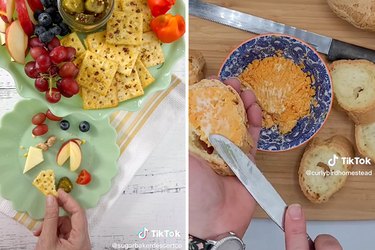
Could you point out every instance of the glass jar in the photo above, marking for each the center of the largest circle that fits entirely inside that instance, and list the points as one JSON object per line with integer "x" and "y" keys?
{"x": 76, "y": 25}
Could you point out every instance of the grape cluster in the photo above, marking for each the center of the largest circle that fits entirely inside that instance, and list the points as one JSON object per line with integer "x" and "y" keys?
{"x": 53, "y": 66}
{"x": 50, "y": 22}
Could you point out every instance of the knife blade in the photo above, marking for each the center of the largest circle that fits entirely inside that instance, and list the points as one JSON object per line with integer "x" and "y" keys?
{"x": 333, "y": 48}
{"x": 253, "y": 180}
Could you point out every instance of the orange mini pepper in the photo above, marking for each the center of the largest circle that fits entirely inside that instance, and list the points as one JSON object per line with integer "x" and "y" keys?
{"x": 168, "y": 28}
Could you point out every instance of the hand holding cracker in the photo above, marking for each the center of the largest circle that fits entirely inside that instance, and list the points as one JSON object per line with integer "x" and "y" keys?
{"x": 68, "y": 232}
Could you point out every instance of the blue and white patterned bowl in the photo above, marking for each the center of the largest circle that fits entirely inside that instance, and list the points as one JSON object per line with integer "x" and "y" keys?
{"x": 266, "y": 46}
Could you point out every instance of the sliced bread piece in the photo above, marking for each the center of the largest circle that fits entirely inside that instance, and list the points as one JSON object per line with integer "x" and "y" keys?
{"x": 215, "y": 108}
{"x": 354, "y": 88}
{"x": 365, "y": 140}
{"x": 196, "y": 66}
{"x": 318, "y": 156}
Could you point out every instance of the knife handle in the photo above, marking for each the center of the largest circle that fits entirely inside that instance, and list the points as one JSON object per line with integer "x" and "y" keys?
{"x": 343, "y": 50}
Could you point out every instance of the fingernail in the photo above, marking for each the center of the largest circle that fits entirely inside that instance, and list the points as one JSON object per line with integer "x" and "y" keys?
{"x": 295, "y": 211}
{"x": 50, "y": 200}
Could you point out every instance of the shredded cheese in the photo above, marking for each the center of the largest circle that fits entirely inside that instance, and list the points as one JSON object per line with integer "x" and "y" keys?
{"x": 283, "y": 91}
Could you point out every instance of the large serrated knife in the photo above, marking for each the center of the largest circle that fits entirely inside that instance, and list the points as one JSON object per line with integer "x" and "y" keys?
{"x": 253, "y": 180}
{"x": 333, "y": 48}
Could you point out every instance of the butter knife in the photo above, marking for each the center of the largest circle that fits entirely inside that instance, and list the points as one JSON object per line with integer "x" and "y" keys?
{"x": 253, "y": 180}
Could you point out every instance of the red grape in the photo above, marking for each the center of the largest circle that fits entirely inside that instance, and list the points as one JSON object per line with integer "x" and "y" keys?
{"x": 38, "y": 118}
{"x": 58, "y": 54}
{"x": 41, "y": 84}
{"x": 53, "y": 70}
{"x": 68, "y": 70}
{"x": 31, "y": 70}
{"x": 53, "y": 95}
{"x": 52, "y": 117}
{"x": 43, "y": 63}
{"x": 40, "y": 130}
{"x": 55, "y": 42}
{"x": 35, "y": 42}
{"x": 69, "y": 86}
{"x": 71, "y": 53}
{"x": 38, "y": 51}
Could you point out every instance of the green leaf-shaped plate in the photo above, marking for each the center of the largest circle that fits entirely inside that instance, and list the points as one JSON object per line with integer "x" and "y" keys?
{"x": 99, "y": 157}
{"x": 162, "y": 74}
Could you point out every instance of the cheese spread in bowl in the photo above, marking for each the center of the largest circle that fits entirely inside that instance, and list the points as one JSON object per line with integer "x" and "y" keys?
{"x": 292, "y": 85}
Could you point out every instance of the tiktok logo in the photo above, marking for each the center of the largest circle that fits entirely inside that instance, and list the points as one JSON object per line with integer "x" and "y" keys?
{"x": 332, "y": 161}
{"x": 142, "y": 234}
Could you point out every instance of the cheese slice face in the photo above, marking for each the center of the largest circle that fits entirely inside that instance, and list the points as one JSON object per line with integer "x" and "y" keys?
{"x": 34, "y": 157}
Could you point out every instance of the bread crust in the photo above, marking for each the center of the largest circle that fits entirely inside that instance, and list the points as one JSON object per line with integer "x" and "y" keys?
{"x": 197, "y": 66}
{"x": 357, "y": 12}
{"x": 341, "y": 146}
{"x": 363, "y": 115}
{"x": 235, "y": 122}
{"x": 360, "y": 142}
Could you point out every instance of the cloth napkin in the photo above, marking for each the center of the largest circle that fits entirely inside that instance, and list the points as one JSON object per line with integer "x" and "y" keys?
{"x": 138, "y": 133}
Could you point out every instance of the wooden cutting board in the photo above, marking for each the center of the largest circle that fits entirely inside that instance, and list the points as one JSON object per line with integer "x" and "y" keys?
{"x": 356, "y": 200}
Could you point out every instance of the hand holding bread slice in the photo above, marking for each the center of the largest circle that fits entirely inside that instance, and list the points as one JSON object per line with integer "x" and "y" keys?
{"x": 215, "y": 108}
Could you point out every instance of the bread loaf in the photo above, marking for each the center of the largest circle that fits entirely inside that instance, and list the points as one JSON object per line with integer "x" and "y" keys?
{"x": 365, "y": 140}
{"x": 318, "y": 156}
{"x": 196, "y": 66}
{"x": 359, "y": 13}
{"x": 354, "y": 88}
{"x": 215, "y": 108}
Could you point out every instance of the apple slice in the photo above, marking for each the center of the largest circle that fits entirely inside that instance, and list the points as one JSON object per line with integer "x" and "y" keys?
{"x": 24, "y": 18}
{"x": 3, "y": 26}
{"x": 16, "y": 42}
{"x": 31, "y": 13}
{"x": 35, "y": 5}
{"x": 7, "y": 9}
{"x": 75, "y": 155}
{"x": 63, "y": 154}
{"x": 2, "y": 39}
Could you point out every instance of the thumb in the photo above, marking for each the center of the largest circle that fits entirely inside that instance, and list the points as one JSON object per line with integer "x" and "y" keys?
{"x": 51, "y": 217}
{"x": 295, "y": 228}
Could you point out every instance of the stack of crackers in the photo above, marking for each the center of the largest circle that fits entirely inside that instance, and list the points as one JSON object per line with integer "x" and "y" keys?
{"x": 113, "y": 63}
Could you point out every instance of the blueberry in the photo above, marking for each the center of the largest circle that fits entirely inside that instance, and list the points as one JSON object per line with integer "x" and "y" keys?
{"x": 64, "y": 125}
{"x": 51, "y": 10}
{"x": 84, "y": 126}
{"x": 56, "y": 18}
{"x": 47, "y": 3}
{"x": 37, "y": 13}
{"x": 56, "y": 30}
{"x": 64, "y": 29}
{"x": 46, "y": 37}
{"x": 39, "y": 30}
{"x": 44, "y": 19}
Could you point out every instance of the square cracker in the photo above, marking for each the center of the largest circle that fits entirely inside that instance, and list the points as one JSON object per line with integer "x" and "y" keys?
{"x": 128, "y": 87}
{"x": 125, "y": 28}
{"x": 78, "y": 60}
{"x": 124, "y": 55}
{"x": 45, "y": 182}
{"x": 96, "y": 73}
{"x": 72, "y": 40}
{"x": 138, "y": 6}
{"x": 92, "y": 100}
{"x": 151, "y": 51}
{"x": 143, "y": 73}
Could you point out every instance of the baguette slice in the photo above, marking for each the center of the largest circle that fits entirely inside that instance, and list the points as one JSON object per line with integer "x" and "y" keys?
{"x": 196, "y": 66}
{"x": 365, "y": 140}
{"x": 354, "y": 88}
{"x": 319, "y": 188}
{"x": 215, "y": 108}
